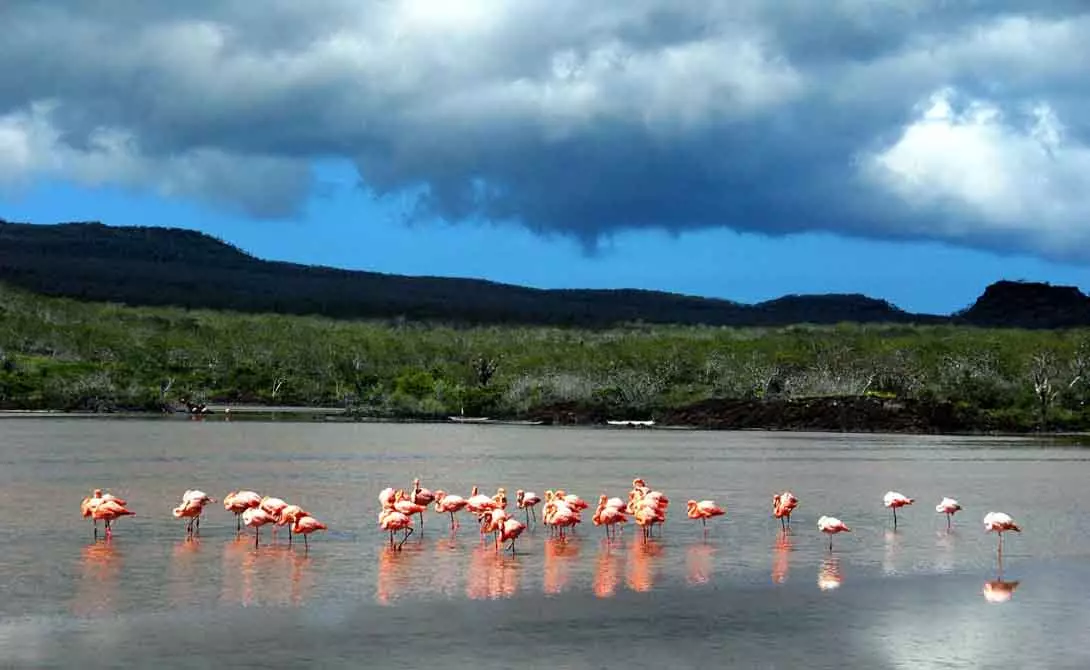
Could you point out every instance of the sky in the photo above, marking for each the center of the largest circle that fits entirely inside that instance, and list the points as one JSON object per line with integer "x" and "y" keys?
{"x": 910, "y": 150}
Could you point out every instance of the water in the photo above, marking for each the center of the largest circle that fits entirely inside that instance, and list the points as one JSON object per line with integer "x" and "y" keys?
{"x": 741, "y": 596}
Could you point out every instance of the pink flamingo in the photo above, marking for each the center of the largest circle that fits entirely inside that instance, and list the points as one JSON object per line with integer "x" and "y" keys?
{"x": 305, "y": 525}
{"x": 609, "y": 515}
{"x": 703, "y": 510}
{"x": 423, "y": 497}
{"x": 109, "y": 511}
{"x": 510, "y": 531}
{"x": 255, "y": 518}
{"x": 393, "y": 521}
{"x": 189, "y": 510}
{"x": 894, "y": 500}
{"x": 949, "y": 507}
{"x": 288, "y": 516}
{"x": 999, "y": 523}
{"x": 446, "y": 503}
{"x": 87, "y": 506}
{"x": 237, "y": 502}
{"x": 527, "y": 501}
{"x": 782, "y": 506}
{"x": 830, "y": 525}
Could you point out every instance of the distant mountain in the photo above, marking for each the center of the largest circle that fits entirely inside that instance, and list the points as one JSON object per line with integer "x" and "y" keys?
{"x": 169, "y": 266}
{"x": 1028, "y": 305}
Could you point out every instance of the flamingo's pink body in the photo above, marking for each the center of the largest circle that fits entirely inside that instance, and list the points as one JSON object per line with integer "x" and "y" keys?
{"x": 895, "y": 501}
{"x": 510, "y": 531}
{"x": 609, "y": 515}
{"x": 305, "y": 525}
{"x": 783, "y": 504}
{"x": 527, "y": 501}
{"x": 999, "y": 523}
{"x": 109, "y": 510}
{"x": 256, "y": 517}
{"x": 478, "y": 503}
{"x": 949, "y": 507}
{"x": 392, "y": 521}
{"x": 446, "y": 503}
{"x": 830, "y": 525}
{"x": 703, "y": 510}
{"x": 237, "y": 502}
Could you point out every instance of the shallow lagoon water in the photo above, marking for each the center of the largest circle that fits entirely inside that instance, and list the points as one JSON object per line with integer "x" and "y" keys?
{"x": 741, "y": 595}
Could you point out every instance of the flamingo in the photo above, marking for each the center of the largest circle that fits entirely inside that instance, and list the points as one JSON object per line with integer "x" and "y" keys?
{"x": 88, "y": 505}
{"x": 831, "y": 525}
{"x": 949, "y": 507}
{"x": 190, "y": 510}
{"x": 782, "y": 506}
{"x": 288, "y": 516}
{"x": 446, "y": 503}
{"x": 421, "y": 496}
{"x": 510, "y": 531}
{"x": 238, "y": 502}
{"x": 703, "y": 510}
{"x": 391, "y": 520}
{"x": 200, "y": 498}
{"x": 999, "y": 523}
{"x": 893, "y": 500}
{"x": 608, "y": 515}
{"x": 305, "y": 525}
{"x": 527, "y": 501}
{"x": 109, "y": 511}
{"x": 256, "y": 517}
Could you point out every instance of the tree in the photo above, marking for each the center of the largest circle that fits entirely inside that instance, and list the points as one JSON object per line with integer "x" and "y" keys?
{"x": 1043, "y": 372}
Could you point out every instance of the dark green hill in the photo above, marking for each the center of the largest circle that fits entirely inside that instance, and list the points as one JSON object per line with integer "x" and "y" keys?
{"x": 169, "y": 266}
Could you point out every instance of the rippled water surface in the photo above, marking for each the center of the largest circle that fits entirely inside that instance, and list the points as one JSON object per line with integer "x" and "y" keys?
{"x": 741, "y": 595}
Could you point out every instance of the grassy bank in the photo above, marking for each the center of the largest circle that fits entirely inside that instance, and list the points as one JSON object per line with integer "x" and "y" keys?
{"x": 69, "y": 355}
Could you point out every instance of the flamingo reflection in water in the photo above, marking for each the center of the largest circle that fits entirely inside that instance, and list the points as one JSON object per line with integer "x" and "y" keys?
{"x": 643, "y": 557}
{"x": 399, "y": 571}
{"x": 606, "y": 571}
{"x": 830, "y": 576}
{"x": 781, "y": 554}
{"x": 998, "y": 590}
{"x": 559, "y": 554}
{"x": 699, "y": 563}
{"x": 100, "y": 570}
{"x": 491, "y": 576}
{"x": 182, "y": 573}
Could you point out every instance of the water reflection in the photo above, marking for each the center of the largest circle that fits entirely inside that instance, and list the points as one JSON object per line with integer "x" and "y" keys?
{"x": 100, "y": 570}
{"x": 607, "y": 572}
{"x": 781, "y": 557}
{"x": 698, "y": 563}
{"x": 892, "y": 550}
{"x": 559, "y": 555}
{"x": 491, "y": 575}
{"x": 182, "y": 572}
{"x": 399, "y": 571}
{"x": 643, "y": 558}
{"x": 945, "y": 543}
{"x": 269, "y": 575}
{"x": 830, "y": 576}
{"x": 999, "y": 591}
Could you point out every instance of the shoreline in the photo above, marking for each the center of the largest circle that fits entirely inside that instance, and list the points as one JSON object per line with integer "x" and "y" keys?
{"x": 778, "y": 416}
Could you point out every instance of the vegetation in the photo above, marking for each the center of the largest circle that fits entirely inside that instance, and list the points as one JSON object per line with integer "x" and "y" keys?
{"x": 65, "y": 354}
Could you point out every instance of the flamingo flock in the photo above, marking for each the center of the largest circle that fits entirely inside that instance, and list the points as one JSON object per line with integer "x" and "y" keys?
{"x": 250, "y": 509}
{"x": 561, "y": 512}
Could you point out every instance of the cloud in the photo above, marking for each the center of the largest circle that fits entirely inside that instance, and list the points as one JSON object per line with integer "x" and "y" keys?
{"x": 963, "y": 122}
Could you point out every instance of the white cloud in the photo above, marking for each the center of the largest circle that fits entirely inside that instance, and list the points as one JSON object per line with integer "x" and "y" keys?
{"x": 31, "y": 146}
{"x": 1004, "y": 172}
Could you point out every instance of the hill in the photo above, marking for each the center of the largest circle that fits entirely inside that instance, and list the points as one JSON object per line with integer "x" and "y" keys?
{"x": 151, "y": 266}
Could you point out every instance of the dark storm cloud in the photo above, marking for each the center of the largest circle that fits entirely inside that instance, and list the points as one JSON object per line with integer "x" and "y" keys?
{"x": 966, "y": 122}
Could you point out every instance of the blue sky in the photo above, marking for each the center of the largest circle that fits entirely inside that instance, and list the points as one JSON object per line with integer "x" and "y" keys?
{"x": 915, "y": 152}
